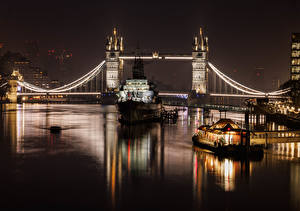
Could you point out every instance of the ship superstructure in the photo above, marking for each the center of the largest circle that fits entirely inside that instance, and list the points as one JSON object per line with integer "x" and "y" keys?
{"x": 136, "y": 90}
{"x": 137, "y": 100}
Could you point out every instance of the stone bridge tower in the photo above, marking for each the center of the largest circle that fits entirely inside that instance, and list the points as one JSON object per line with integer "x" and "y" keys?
{"x": 13, "y": 86}
{"x": 199, "y": 63}
{"x": 114, "y": 46}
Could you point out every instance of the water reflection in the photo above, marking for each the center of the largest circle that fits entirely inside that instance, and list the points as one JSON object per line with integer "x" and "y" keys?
{"x": 135, "y": 151}
{"x": 112, "y": 163}
{"x": 224, "y": 170}
{"x": 131, "y": 165}
{"x": 288, "y": 151}
{"x": 295, "y": 186}
{"x": 213, "y": 174}
{"x": 13, "y": 126}
{"x": 140, "y": 145}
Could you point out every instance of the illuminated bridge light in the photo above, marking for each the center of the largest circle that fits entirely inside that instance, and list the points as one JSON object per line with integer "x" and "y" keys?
{"x": 179, "y": 95}
{"x": 133, "y": 57}
{"x": 233, "y": 83}
{"x": 248, "y": 92}
{"x": 60, "y": 93}
{"x": 243, "y": 88}
{"x": 240, "y": 95}
{"x": 3, "y": 84}
{"x": 178, "y": 58}
{"x": 90, "y": 75}
{"x": 158, "y": 57}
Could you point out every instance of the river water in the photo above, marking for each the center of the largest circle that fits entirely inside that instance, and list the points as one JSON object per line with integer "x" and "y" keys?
{"x": 95, "y": 163}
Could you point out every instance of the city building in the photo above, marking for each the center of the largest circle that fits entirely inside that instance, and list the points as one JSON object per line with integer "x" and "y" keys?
{"x": 10, "y": 62}
{"x": 295, "y": 57}
{"x": 37, "y": 77}
{"x": 14, "y": 61}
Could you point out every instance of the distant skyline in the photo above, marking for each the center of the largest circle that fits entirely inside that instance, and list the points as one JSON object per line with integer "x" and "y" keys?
{"x": 242, "y": 35}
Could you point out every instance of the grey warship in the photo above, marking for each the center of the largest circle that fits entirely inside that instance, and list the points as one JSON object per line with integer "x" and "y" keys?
{"x": 138, "y": 100}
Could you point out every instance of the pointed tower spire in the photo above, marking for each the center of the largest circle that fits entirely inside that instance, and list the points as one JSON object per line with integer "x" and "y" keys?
{"x": 121, "y": 44}
{"x": 206, "y": 41}
{"x": 195, "y": 44}
{"x": 110, "y": 43}
{"x": 201, "y": 40}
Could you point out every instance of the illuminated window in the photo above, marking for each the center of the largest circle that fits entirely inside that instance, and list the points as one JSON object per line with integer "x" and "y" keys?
{"x": 295, "y": 53}
{"x": 296, "y": 77}
{"x": 295, "y": 45}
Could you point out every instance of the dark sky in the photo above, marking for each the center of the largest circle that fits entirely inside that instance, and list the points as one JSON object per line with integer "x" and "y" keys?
{"x": 242, "y": 35}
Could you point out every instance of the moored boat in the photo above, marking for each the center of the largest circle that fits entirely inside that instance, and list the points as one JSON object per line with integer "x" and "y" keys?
{"x": 137, "y": 99}
{"x": 226, "y": 138}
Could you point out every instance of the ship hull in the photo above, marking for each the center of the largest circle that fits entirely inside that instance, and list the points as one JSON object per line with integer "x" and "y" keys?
{"x": 132, "y": 112}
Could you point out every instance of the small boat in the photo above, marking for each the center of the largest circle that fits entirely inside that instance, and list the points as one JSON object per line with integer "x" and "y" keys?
{"x": 226, "y": 138}
{"x": 55, "y": 129}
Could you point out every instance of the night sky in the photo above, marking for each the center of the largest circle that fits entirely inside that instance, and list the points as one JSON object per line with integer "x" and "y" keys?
{"x": 243, "y": 35}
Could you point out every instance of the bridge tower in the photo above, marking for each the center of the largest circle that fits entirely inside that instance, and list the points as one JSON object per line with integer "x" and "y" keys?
{"x": 199, "y": 63}
{"x": 13, "y": 86}
{"x": 114, "y": 46}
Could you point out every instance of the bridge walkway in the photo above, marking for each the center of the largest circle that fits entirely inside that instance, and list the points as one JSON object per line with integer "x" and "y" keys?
{"x": 270, "y": 137}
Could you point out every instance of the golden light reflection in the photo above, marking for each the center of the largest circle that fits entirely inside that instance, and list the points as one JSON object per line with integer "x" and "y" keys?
{"x": 287, "y": 151}
{"x": 224, "y": 171}
{"x": 133, "y": 151}
{"x": 292, "y": 148}
{"x": 197, "y": 180}
{"x": 227, "y": 171}
{"x": 11, "y": 126}
{"x": 111, "y": 149}
{"x": 294, "y": 186}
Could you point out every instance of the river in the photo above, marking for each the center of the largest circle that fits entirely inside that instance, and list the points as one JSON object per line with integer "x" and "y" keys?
{"x": 96, "y": 163}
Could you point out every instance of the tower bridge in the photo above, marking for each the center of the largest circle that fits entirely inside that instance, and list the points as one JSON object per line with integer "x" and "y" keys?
{"x": 114, "y": 61}
{"x": 207, "y": 79}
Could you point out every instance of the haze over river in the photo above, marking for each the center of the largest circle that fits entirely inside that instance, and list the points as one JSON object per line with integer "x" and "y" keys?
{"x": 97, "y": 163}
